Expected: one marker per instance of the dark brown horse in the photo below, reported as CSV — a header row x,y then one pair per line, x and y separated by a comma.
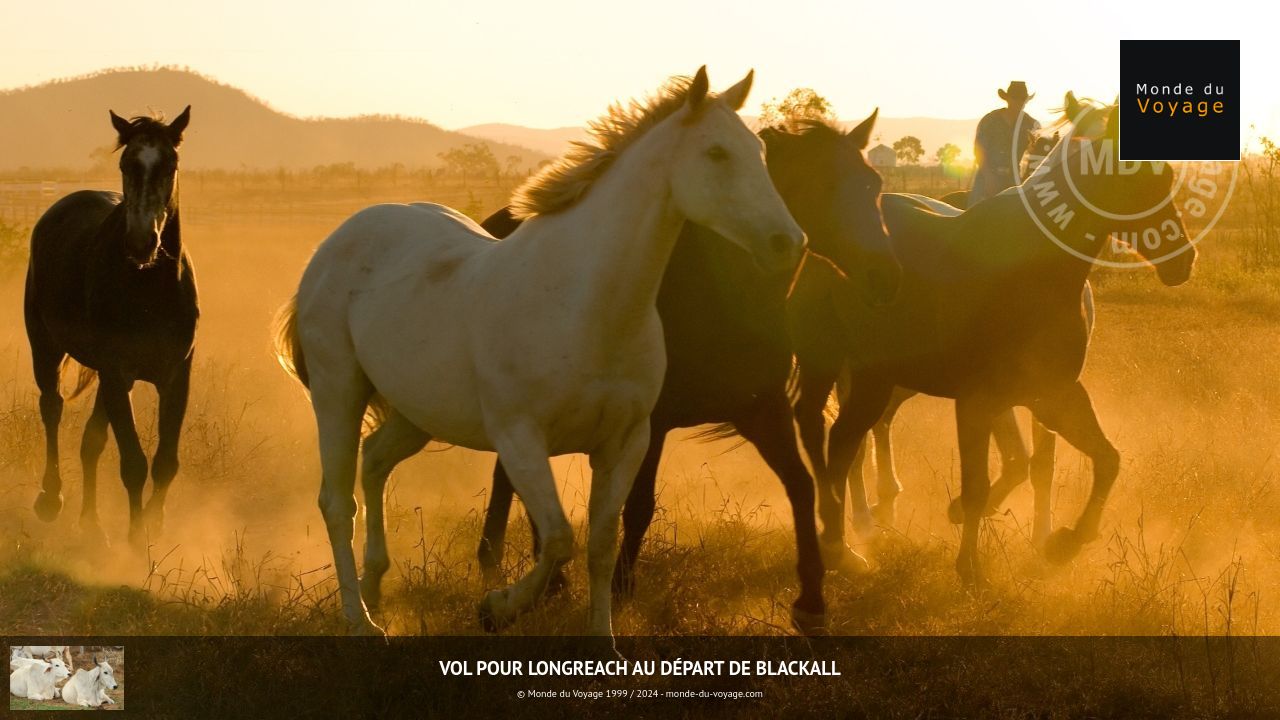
x,y
989,314
1080,119
111,285
728,347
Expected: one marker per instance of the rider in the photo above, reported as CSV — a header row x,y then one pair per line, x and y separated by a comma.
x,y
993,146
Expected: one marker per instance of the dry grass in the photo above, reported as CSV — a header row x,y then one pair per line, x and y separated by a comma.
x,y
1185,381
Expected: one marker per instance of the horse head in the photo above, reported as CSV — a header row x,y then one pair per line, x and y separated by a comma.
x,y
1134,199
835,196
149,171
719,179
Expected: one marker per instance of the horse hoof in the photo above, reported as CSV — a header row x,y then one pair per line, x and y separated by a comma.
x,y
492,612
841,558
808,623
1062,545
48,505
955,512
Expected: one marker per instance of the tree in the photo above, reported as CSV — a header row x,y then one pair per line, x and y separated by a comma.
x,y
947,155
513,163
909,150
472,159
799,104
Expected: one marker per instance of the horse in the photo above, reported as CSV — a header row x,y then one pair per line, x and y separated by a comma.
x,y
724,325
544,344
1080,119
990,314
111,286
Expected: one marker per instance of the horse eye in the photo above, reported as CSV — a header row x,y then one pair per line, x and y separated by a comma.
x,y
717,153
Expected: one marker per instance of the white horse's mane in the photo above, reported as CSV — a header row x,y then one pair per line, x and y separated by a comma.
x,y
563,182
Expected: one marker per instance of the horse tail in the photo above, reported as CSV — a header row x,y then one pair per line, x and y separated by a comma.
x,y
719,431
84,378
288,345
288,349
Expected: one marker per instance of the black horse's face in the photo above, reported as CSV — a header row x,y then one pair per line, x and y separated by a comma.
x,y
835,196
149,170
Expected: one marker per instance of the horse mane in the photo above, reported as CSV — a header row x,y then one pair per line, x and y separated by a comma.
x,y
1065,122
144,124
816,127
566,180
1065,127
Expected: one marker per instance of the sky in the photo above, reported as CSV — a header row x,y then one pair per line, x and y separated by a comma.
x,y
553,63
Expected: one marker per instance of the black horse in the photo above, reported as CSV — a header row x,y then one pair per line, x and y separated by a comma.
x,y
110,285
992,313
728,345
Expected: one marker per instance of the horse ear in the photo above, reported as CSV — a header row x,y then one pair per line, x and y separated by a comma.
x,y
122,126
1071,106
178,125
860,136
698,89
736,96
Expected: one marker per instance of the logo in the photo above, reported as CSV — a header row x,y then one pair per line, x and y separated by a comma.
x,y
1180,100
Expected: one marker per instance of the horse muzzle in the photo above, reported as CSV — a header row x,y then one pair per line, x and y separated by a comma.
x,y
780,253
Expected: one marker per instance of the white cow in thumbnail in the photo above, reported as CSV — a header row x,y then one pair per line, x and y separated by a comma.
x,y
36,679
88,688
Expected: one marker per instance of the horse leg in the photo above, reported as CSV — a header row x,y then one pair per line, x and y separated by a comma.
x,y
493,536
637,513
115,392
888,488
974,419
861,411
769,427
46,361
1014,459
1070,413
523,451
91,446
815,389
339,396
613,471
1045,443
395,440
866,404
164,467
1014,464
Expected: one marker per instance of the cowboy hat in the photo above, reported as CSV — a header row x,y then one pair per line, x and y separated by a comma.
x,y
1017,91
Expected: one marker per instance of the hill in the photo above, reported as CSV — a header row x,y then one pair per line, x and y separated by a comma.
x,y
63,124
933,134
549,141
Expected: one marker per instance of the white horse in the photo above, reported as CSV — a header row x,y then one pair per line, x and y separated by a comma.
x,y
543,344
88,688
